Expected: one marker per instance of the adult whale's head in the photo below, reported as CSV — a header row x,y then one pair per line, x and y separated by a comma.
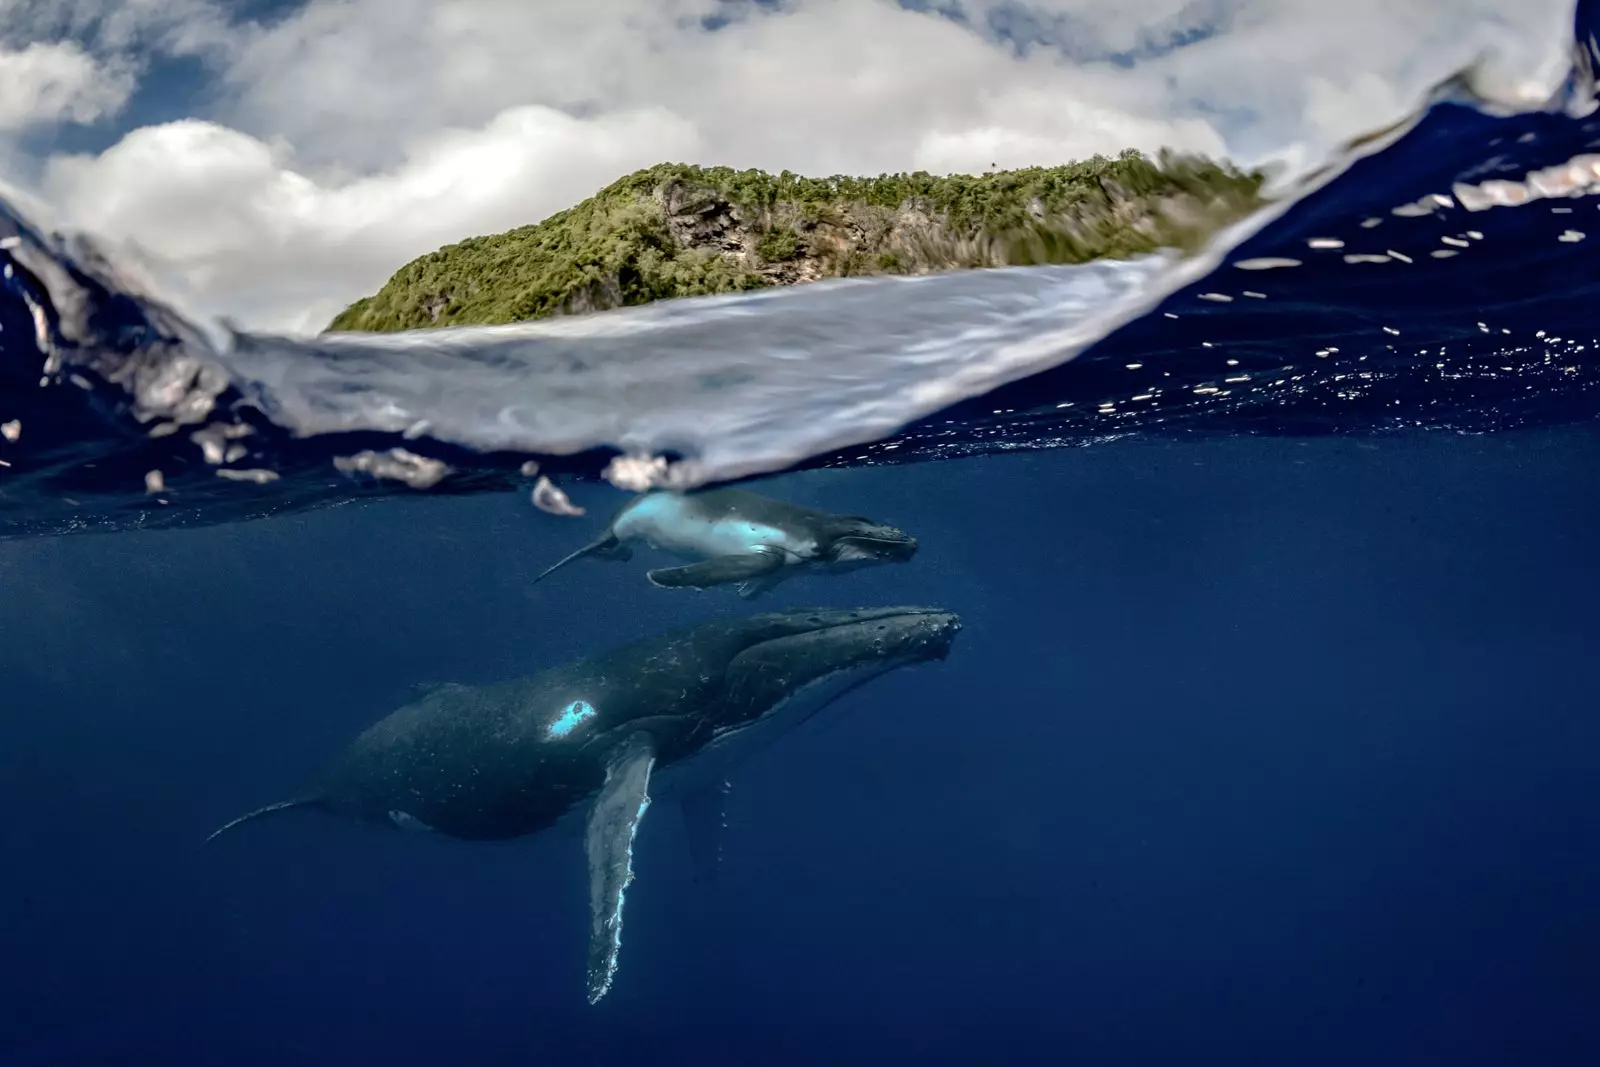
x,y
513,758
795,663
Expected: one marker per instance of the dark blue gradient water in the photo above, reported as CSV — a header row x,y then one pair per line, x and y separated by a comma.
x,y
1253,751
1270,738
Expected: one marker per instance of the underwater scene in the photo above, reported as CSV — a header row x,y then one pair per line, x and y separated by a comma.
x,y
1131,612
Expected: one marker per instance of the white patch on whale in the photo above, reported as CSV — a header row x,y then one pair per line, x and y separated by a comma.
x,y
577,712
672,523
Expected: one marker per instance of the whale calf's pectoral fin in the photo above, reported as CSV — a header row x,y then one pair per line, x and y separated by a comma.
x,y
757,586
723,570
705,814
847,552
608,841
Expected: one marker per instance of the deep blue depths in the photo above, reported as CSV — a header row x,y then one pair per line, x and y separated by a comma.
x,y
1254,751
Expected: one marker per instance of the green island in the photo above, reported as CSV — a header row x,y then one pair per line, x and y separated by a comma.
x,y
678,230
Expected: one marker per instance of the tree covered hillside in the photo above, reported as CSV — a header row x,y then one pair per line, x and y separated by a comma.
x,y
679,230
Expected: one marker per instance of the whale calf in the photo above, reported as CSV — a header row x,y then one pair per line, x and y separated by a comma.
x,y
599,738
741,538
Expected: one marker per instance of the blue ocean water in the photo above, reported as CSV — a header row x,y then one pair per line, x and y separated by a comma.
x,y
1270,737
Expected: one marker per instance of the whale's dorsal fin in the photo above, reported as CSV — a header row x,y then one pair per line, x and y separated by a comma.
x,y
608,842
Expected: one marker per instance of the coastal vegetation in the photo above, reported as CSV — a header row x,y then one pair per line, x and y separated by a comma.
x,y
678,230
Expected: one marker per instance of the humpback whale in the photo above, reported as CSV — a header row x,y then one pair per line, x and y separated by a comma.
x,y
742,538
598,739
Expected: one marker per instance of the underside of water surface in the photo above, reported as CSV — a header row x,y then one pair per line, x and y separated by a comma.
x,y
1433,278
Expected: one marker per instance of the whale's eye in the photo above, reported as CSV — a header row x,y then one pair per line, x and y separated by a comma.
x,y
574,713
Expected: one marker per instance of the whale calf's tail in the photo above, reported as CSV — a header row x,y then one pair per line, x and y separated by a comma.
x,y
607,546
250,816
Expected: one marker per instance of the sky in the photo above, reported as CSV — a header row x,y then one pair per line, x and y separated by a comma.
x,y
272,161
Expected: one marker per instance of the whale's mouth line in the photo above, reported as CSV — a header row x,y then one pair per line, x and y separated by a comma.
x,y
874,614
926,643
935,644
951,628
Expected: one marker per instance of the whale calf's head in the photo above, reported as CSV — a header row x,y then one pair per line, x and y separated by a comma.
x,y
858,540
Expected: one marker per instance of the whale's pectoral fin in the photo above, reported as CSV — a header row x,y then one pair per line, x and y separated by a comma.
x,y
757,586
704,816
608,840
720,571
850,552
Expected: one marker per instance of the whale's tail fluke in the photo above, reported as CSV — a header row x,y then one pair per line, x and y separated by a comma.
x,y
607,546
250,816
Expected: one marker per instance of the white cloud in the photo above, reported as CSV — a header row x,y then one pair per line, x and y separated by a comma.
x,y
237,230
1316,74
118,27
50,83
357,134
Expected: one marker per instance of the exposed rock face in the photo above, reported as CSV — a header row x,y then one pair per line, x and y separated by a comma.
x,y
678,231
788,245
